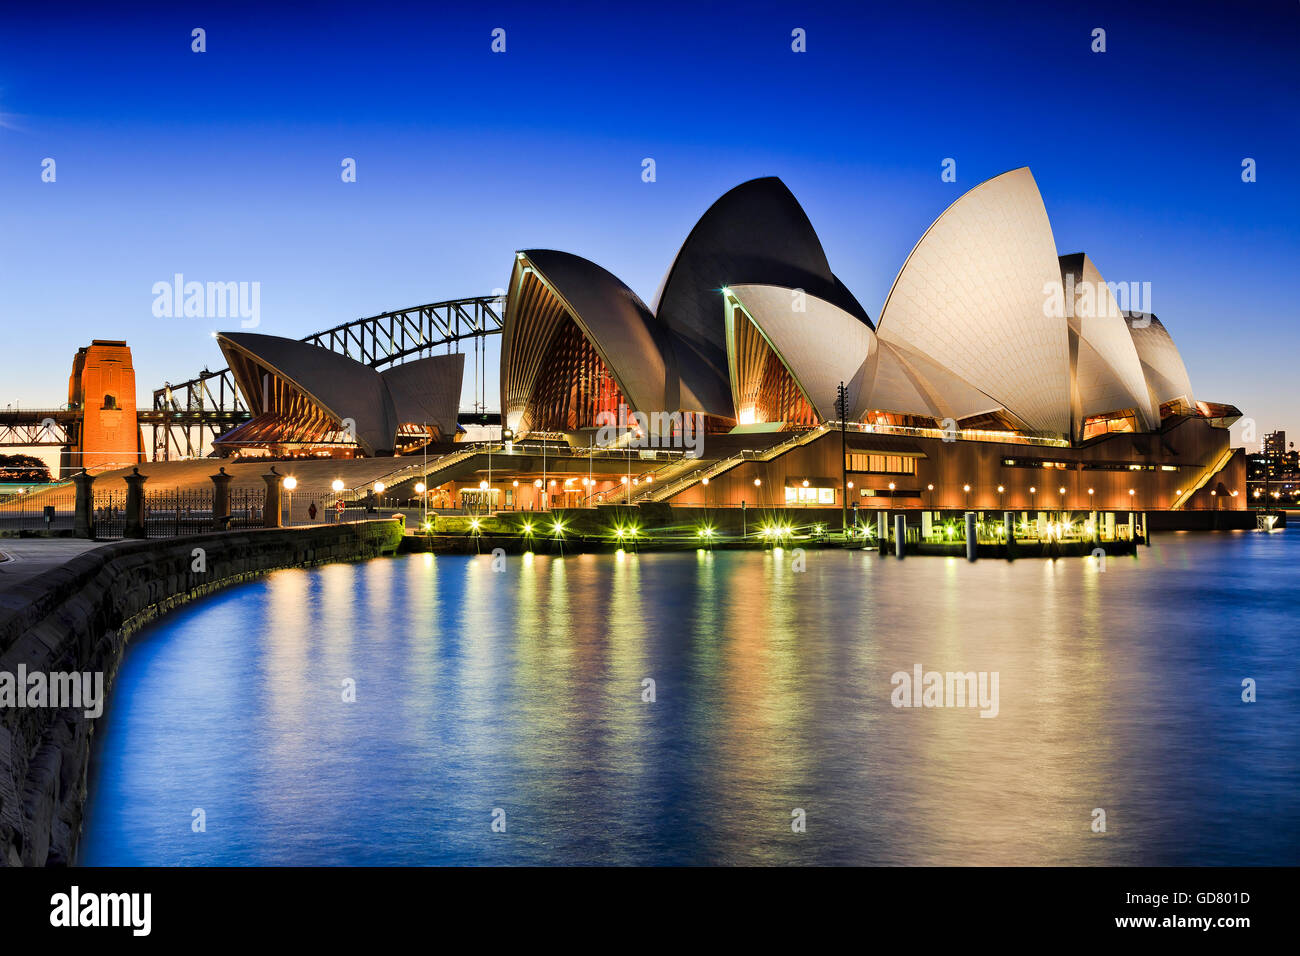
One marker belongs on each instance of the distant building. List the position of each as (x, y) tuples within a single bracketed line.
[(1273, 473), (102, 387)]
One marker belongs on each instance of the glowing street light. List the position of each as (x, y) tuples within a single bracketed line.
[(290, 483)]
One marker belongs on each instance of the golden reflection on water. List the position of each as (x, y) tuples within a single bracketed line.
[(522, 689)]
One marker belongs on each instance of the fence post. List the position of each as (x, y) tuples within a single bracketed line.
[(273, 508), (220, 499), (135, 527), (83, 524)]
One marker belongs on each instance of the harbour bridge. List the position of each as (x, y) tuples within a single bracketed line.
[(186, 416)]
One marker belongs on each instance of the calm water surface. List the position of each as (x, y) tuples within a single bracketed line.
[(522, 691)]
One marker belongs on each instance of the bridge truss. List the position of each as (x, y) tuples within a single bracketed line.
[(32, 427), (188, 416)]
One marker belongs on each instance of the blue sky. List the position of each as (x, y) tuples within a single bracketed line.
[(224, 166)]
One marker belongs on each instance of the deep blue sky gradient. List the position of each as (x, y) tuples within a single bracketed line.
[(224, 166)]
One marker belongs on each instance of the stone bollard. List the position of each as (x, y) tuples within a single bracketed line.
[(882, 531), (221, 499), (83, 524), (273, 508), (1009, 532), (972, 543), (900, 534), (135, 505)]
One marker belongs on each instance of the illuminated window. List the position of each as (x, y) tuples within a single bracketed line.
[(799, 495), (882, 464)]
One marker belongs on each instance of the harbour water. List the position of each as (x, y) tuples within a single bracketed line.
[(519, 697)]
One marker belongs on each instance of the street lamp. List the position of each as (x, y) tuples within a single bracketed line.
[(1033, 498), (1001, 498), (290, 483)]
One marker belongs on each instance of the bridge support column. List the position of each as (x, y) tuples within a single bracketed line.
[(972, 542), (135, 527), (900, 534), (221, 499), (273, 509), (83, 523), (1009, 532)]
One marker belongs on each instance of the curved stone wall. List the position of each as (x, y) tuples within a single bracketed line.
[(78, 618)]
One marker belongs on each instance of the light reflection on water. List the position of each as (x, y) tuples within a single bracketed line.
[(523, 690)]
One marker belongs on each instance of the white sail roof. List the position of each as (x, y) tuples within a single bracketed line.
[(975, 297)]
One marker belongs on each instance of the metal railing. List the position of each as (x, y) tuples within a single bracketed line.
[(20, 513)]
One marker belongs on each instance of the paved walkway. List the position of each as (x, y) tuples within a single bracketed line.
[(23, 558)]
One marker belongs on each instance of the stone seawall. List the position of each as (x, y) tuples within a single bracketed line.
[(78, 618)]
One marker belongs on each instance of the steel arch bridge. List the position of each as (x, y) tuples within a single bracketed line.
[(187, 416)]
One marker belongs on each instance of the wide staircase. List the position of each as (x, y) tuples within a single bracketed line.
[(1219, 464), (692, 477)]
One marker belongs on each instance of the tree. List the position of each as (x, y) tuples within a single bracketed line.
[(23, 468)]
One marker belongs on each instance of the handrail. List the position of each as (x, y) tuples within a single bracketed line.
[(1219, 464), (726, 464)]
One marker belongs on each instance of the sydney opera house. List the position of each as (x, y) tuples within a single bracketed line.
[(310, 399), (997, 374)]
